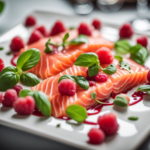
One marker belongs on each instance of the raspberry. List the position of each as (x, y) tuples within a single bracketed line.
[(17, 88), (16, 44), (101, 77), (96, 136), (97, 24), (142, 40), (57, 28), (125, 96), (1, 65), (35, 36), (126, 31), (108, 123), (43, 31), (84, 29), (89, 78), (9, 98), (67, 87), (92, 83), (148, 76), (24, 106), (1, 97), (105, 55), (30, 21)]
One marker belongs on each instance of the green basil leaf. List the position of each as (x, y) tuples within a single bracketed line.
[(93, 70), (1, 48), (125, 66), (9, 77), (145, 88), (29, 79), (65, 37), (81, 39), (24, 93), (122, 47), (120, 101), (139, 54), (93, 95), (87, 60), (120, 58), (133, 118), (1, 6), (71, 28), (80, 80), (42, 102), (48, 48), (9, 53), (111, 69), (28, 59), (77, 113)]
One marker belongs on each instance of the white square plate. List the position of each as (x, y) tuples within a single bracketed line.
[(130, 134)]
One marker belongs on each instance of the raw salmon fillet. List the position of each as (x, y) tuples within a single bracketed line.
[(52, 64)]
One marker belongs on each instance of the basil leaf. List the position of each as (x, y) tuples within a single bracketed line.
[(71, 28), (42, 102), (65, 37), (80, 80), (133, 118), (122, 47), (145, 88), (24, 93), (125, 66), (93, 70), (48, 48), (1, 6), (120, 58), (93, 95), (81, 39), (28, 59), (8, 53), (29, 79), (87, 60), (120, 101), (77, 113), (1, 48), (139, 54), (9, 77), (111, 69)]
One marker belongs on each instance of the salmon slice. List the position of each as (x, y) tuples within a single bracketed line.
[(82, 97)]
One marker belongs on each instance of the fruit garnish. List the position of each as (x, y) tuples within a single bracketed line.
[(17, 88), (85, 29), (1, 97), (133, 118), (43, 31), (1, 65), (148, 76), (77, 113), (91, 83), (80, 80), (30, 21), (120, 101), (101, 77), (145, 88), (126, 31), (96, 23), (91, 60), (16, 44), (142, 40), (11, 75)]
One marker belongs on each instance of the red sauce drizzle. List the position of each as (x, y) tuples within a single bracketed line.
[(13, 60), (89, 122), (37, 113)]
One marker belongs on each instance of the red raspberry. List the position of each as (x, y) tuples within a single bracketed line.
[(96, 136), (126, 31), (57, 28), (101, 77), (30, 21), (43, 31), (67, 87), (24, 106), (89, 78), (92, 83), (16, 44), (1, 65), (9, 98), (108, 123), (97, 24), (1, 97), (35, 36), (105, 55), (148, 76), (142, 40), (17, 88), (84, 29)]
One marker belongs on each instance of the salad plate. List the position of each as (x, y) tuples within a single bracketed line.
[(130, 134)]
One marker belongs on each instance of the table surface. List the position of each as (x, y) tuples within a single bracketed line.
[(14, 12)]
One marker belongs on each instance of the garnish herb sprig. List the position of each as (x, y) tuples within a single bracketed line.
[(133, 118), (1, 48), (81, 39), (93, 96), (145, 88), (120, 101), (91, 60), (11, 75)]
